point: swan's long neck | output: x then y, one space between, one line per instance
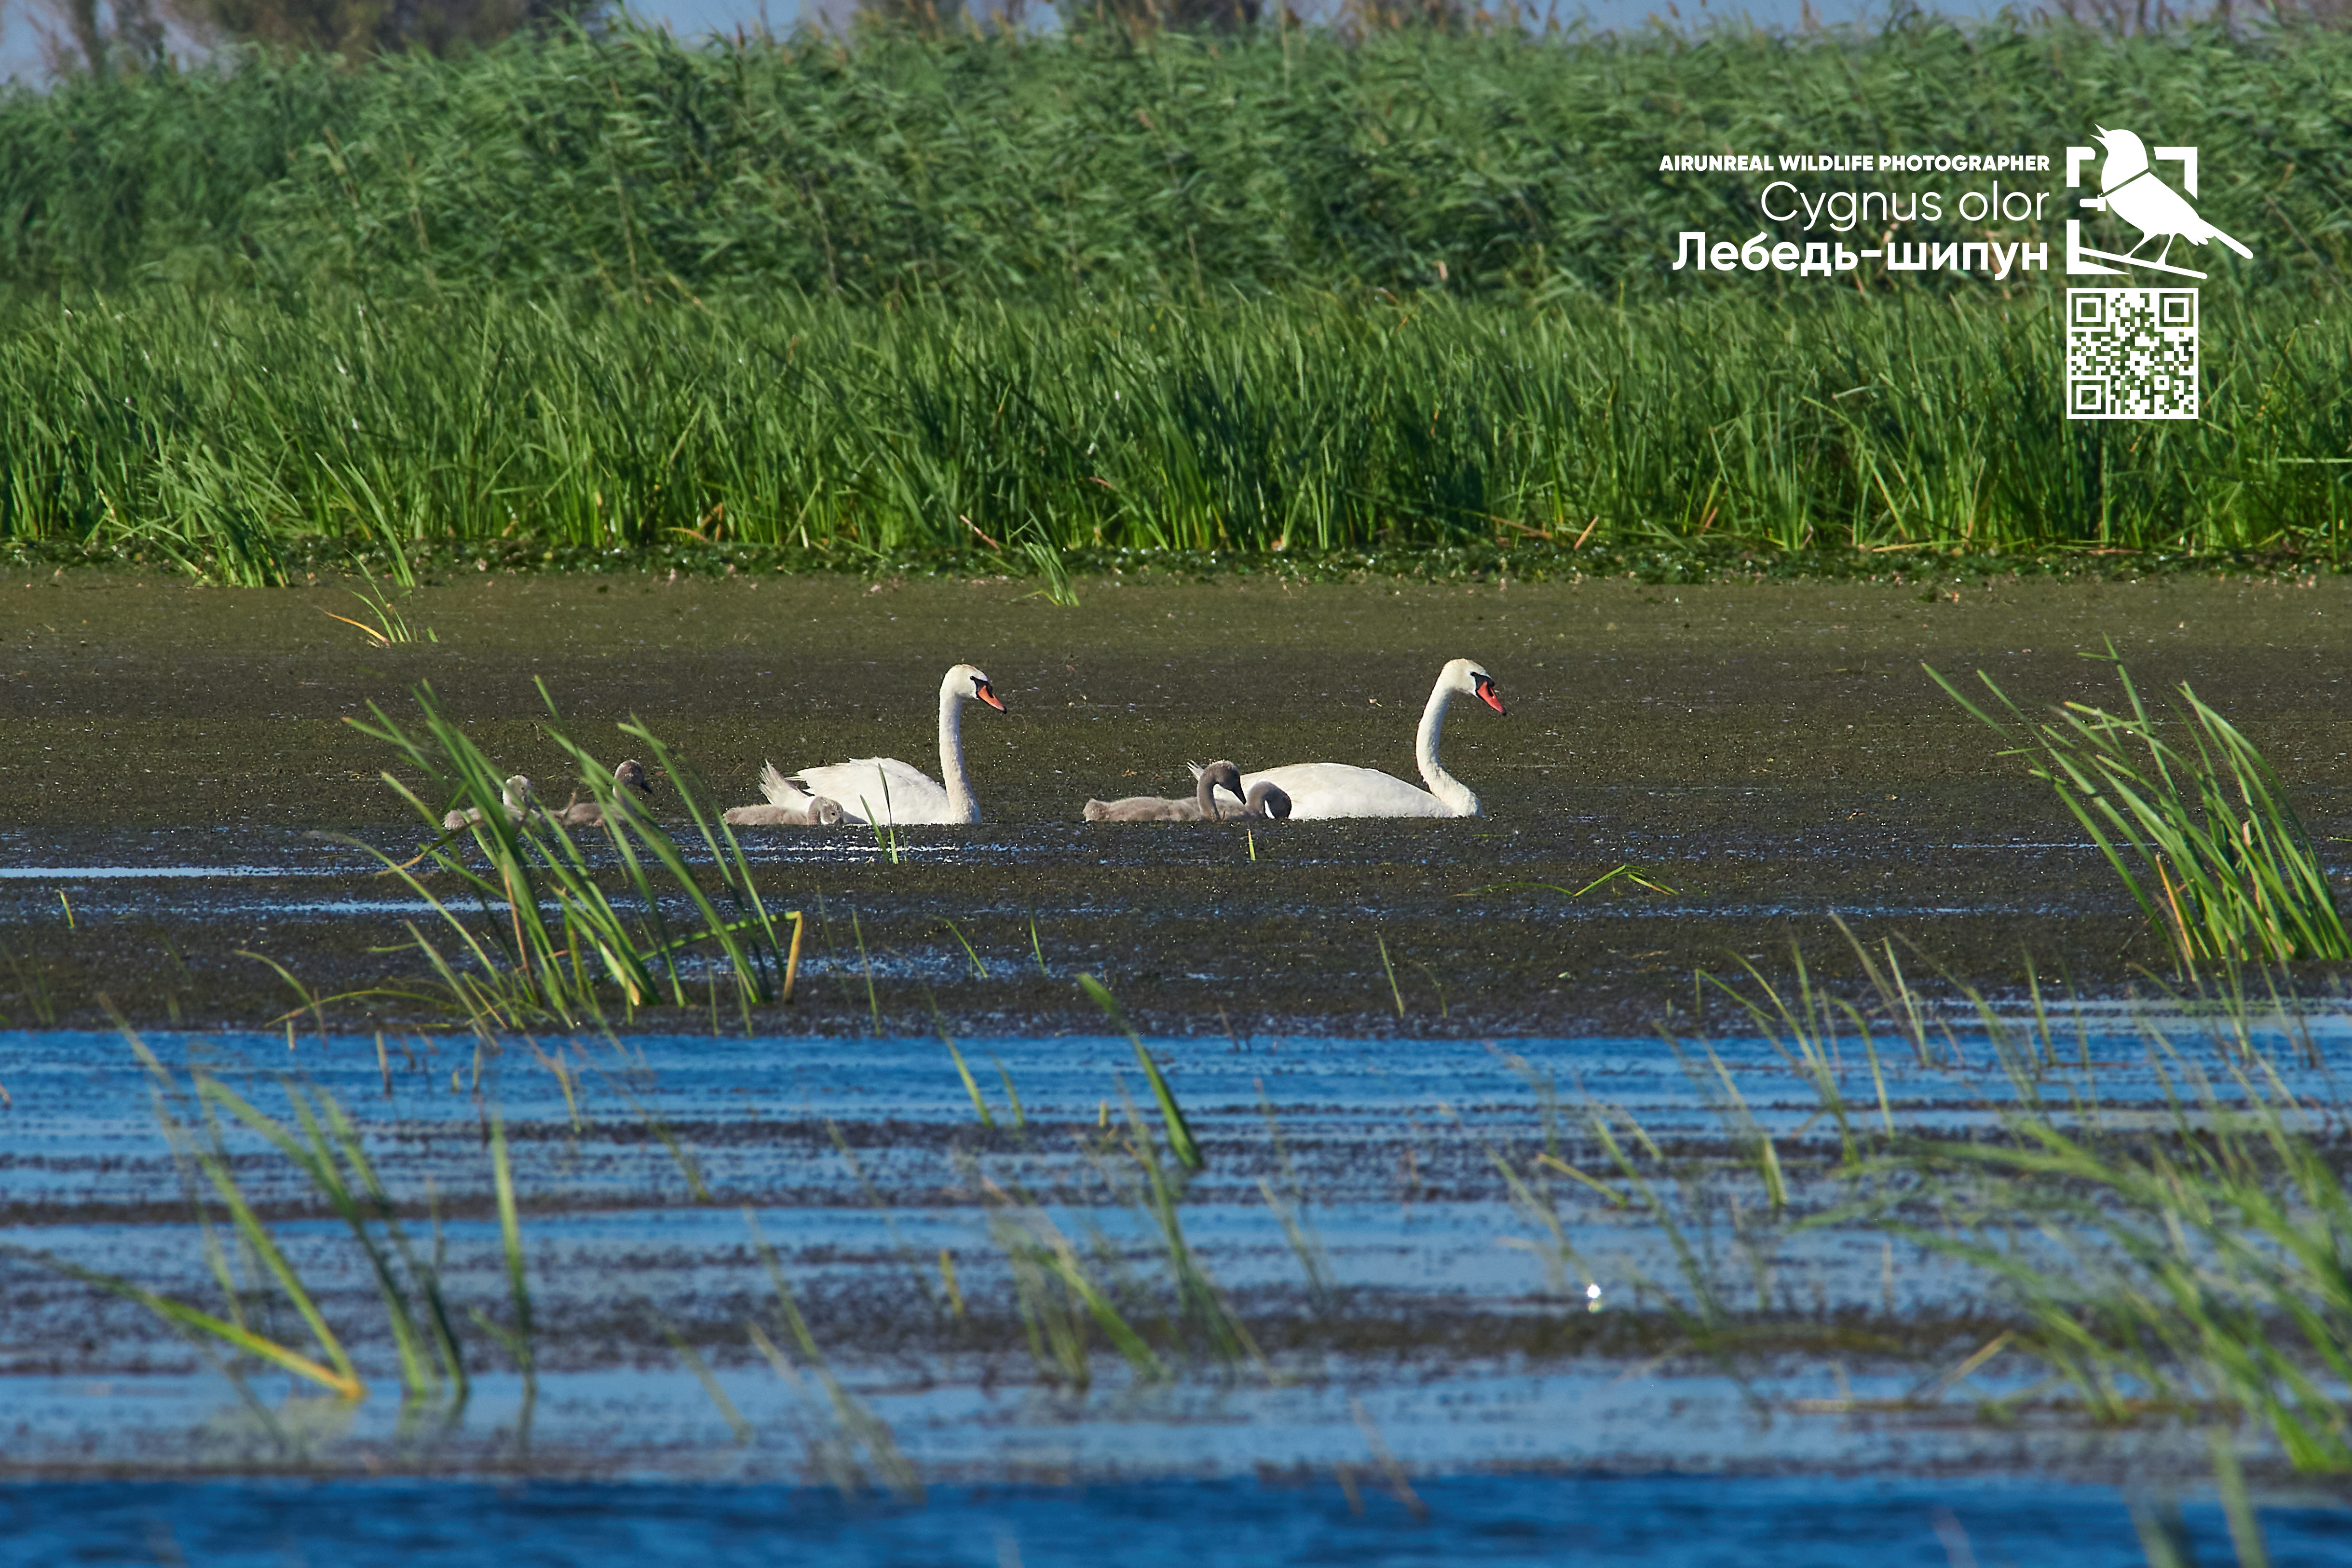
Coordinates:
1204 793
951 757
1442 784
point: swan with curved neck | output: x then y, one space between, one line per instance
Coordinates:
887 791
1325 790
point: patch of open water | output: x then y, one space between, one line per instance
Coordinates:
1445 1330
1662 1520
862 1161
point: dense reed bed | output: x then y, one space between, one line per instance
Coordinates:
1496 161
1275 291
217 431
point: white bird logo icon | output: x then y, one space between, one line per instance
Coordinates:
2130 188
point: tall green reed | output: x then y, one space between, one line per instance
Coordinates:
2201 834
339 1170
30 973
2192 1267
1062 1290
1181 1142
2187 1267
818 432
1059 1290
386 624
515 965
1488 159
329 1151
516 1337
1287 1200
1139 1179
852 1428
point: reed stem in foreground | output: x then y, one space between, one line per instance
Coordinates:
2201 834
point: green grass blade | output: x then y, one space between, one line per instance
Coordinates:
1179 1133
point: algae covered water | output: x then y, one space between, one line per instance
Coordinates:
1773 753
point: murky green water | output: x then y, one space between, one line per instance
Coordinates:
1773 753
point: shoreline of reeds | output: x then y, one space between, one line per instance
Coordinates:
237 438
310 559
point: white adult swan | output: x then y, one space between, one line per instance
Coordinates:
887 790
1325 790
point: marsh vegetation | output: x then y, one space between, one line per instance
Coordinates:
996 299
234 434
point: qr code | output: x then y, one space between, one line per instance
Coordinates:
2131 353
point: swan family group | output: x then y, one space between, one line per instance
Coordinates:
887 791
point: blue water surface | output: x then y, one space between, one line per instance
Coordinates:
1684 1522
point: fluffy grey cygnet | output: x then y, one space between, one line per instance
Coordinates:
630 775
790 803
515 797
1203 807
1266 803
810 811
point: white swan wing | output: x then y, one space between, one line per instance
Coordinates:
779 790
882 789
1323 791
